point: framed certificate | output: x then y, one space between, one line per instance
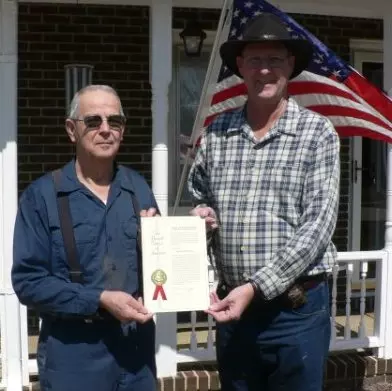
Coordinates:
175 264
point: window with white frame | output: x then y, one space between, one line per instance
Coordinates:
188 79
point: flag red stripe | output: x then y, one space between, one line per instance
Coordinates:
328 110
370 93
313 87
295 88
349 112
211 117
350 131
360 86
231 92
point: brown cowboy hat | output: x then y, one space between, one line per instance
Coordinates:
267 27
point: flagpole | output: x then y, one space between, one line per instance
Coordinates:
203 99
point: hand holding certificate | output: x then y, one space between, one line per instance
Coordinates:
175 264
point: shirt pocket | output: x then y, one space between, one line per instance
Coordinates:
129 232
130 258
279 191
282 177
226 183
85 235
282 180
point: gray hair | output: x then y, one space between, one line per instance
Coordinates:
74 106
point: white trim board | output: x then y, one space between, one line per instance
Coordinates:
366 45
376 9
347 8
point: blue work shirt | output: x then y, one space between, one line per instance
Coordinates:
105 236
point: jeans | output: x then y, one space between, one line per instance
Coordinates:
276 348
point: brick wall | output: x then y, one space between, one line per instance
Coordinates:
113 39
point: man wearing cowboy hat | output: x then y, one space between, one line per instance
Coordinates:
266 180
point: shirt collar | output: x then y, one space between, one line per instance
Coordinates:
69 181
236 121
287 123
124 178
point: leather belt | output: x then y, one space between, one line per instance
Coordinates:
310 282
307 282
294 297
99 317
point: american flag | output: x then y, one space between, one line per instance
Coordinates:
328 86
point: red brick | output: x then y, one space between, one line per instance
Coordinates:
71 28
41 27
72 9
57 19
55 37
100 29
105 11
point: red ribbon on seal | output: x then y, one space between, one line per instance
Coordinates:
159 290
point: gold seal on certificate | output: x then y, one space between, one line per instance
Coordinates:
159 278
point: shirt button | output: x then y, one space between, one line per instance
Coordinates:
245 221
243 248
109 238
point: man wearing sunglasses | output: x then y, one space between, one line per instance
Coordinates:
77 259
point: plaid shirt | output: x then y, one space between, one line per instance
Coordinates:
276 198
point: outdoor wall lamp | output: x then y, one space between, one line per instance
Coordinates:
193 37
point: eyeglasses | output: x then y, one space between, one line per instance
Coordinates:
116 121
270 62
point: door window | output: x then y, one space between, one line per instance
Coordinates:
369 173
189 75
374 175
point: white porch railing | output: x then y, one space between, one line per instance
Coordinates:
367 328
359 316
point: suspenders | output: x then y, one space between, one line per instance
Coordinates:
66 227
67 231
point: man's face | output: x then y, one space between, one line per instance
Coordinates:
266 69
98 129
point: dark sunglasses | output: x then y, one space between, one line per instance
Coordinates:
115 121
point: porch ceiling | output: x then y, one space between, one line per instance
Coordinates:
351 8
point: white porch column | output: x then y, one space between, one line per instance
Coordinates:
11 310
387 307
160 76
387 49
